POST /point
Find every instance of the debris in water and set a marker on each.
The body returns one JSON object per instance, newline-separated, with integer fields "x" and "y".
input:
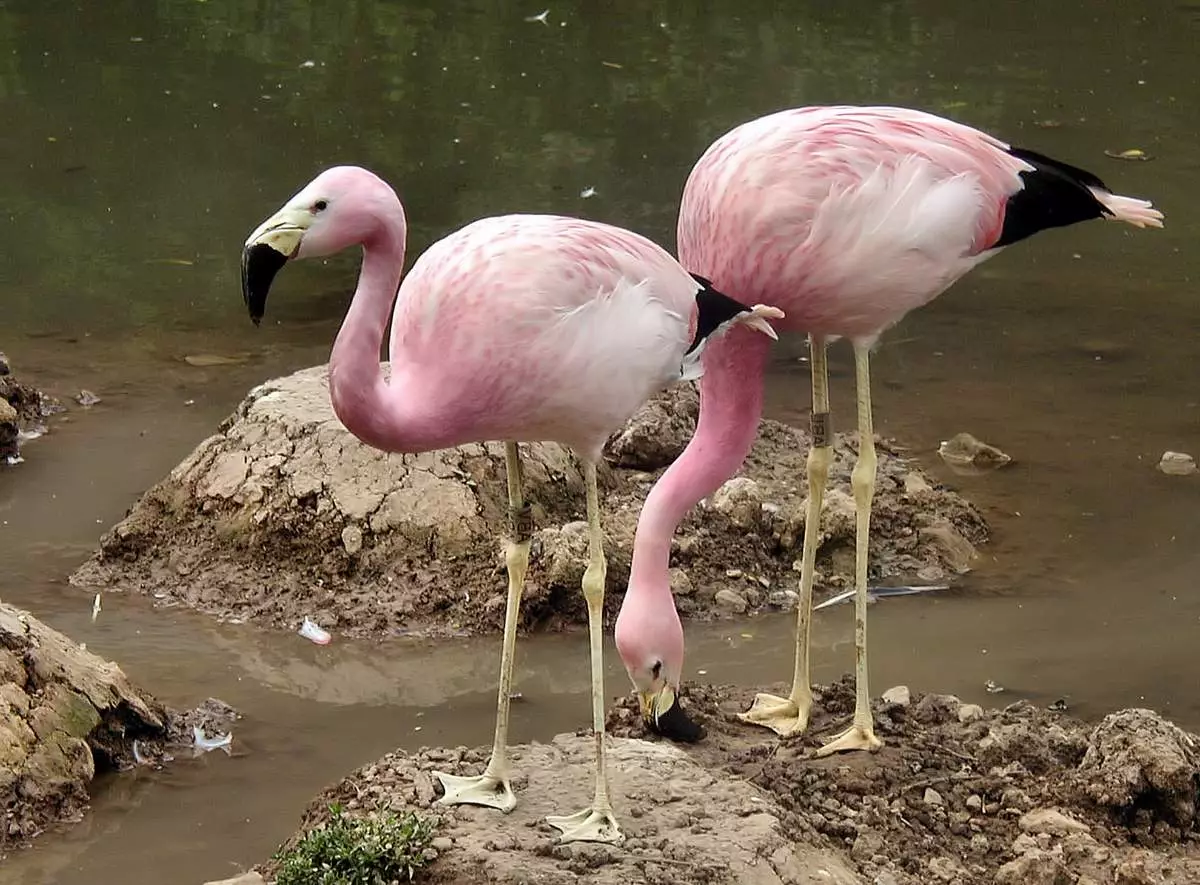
{"x": 179, "y": 262}
{"x": 966, "y": 454}
{"x": 32, "y": 432}
{"x": 587, "y": 192}
{"x": 308, "y": 64}
{"x": 137, "y": 756}
{"x": 874, "y": 594}
{"x": 1059, "y": 706}
{"x": 516, "y": 696}
{"x": 1177, "y": 464}
{"x": 993, "y": 687}
{"x": 86, "y": 398}
{"x": 309, "y": 630}
{"x": 612, "y": 64}
{"x": 540, "y": 17}
{"x": 1130, "y": 154}
{"x": 95, "y": 608}
{"x": 208, "y": 360}
{"x": 203, "y": 743}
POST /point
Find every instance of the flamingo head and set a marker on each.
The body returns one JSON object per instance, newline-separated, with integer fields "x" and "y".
{"x": 343, "y": 206}
{"x": 652, "y": 650}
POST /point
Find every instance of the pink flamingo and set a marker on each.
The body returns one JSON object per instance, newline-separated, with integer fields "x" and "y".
{"x": 516, "y": 328}
{"x": 846, "y": 218}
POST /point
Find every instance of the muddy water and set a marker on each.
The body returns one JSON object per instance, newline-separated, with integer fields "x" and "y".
{"x": 145, "y": 138}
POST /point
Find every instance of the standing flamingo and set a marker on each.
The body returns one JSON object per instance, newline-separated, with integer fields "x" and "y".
{"x": 516, "y": 328}
{"x": 846, "y": 218}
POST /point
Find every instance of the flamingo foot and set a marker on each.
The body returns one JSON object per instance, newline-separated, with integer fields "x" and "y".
{"x": 783, "y": 716}
{"x": 856, "y": 737}
{"x": 484, "y": 789}
{"x": 589, "y": 825}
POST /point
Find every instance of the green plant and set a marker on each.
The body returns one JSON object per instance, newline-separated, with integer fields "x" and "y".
{"x": 379, "y": 849}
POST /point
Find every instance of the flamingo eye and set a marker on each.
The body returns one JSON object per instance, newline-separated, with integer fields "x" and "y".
{"x": 320, "y": 206}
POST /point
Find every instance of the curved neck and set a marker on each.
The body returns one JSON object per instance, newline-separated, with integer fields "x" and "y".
{"x": 731, "y": 395}
{"x": 356, "y": 383}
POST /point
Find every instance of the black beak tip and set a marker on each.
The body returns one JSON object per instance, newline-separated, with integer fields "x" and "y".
{"x": 260, "y": 263}
{"x": 677, "y": 726}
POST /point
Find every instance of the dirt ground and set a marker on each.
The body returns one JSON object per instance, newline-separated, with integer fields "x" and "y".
{"x": 1017, "y": 796}
{"x": 282, "y": 515}
{"x": 67, "y": 715}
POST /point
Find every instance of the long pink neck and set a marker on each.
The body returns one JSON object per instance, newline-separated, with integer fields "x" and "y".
{"x": 731, "y": 395}
{"x": 359, "y": 392}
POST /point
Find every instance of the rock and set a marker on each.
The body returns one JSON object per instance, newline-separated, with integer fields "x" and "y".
{"x": 681, "y": 584}
{"x": 970, "y": 713}
{"x": 8, "y": 415}
{"x": 352, "y": 539}
{"x": 658, "y": 432}
{"x": 898, "y": 695}
{"x": 253, "y": 525}
{"x": 957, "y": 552}
{"x": 937, "y": 708}
{"x": 1036, "y": 867}
{"x": 696, "y": 824}
{"x": 1177, "y": 464}
{"x": 933, "y": 798}
{"x": 86, "y": 398}
{"x": 866, "y": 845}
{"x": 965, "y": 451}
{"x": 250, "y": 878}
{"x": 740, "y": 500}
{"x": 5, "y": 366}
{"x": 64, "y": 714}
{"x": 974, "y": 802}
{"x": 731, "y": 600}
{"x": 786, "y": 600}
{"x": 1052, "y": 821}
{"x": 1137, "y": 759}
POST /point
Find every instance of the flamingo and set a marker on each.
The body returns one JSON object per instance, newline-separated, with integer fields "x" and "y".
{"x": 516, "y": 328}
{"x": 846, "y": 218}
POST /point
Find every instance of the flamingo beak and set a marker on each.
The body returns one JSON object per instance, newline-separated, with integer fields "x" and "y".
{"x": 665, "y": 717}
{"x": 267, "y": 250}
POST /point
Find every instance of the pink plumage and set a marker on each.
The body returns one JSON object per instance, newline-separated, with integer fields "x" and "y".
{"x": 846, "y": 218}
{"x": 515, "y": 328}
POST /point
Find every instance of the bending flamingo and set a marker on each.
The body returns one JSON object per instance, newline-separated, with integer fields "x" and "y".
{"x": 516, "y": 328}
{"x": 846, "y": 218}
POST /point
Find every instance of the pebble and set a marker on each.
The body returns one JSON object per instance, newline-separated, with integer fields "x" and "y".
{"x": 974, "y": 802}
{"x": 933, "y": 797}
{"x": 1177, "y": 464}
{"x": 732, "y": 600}
{"x": 86, "y": 398}
{"x": 899, "y": 695}
{"x": 784, "y": 599}
{"x": 352, "y": 539}
{"x": 681, "y": 584}
{"x": 442, "y": 843}
{"x": 970, "y": 713}
{"x": 1052, "y": 821}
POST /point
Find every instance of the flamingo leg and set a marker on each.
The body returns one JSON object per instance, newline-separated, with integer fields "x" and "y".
{"x": 787, "y": 716}
{"x": 492, "y": 788}
{"x": 861, "y": 733}
{"x": 597, "y": 823}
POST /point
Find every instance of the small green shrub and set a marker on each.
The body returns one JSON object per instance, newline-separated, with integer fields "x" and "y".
{"x": 379, "y": 849}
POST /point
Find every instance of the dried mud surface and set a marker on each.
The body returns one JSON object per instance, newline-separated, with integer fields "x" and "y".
{"x": 958, "y": 795}
{"x": 67, "y": 715}
{"x": 283, "y": 514}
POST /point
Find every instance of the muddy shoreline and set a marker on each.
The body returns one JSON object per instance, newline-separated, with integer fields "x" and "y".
{"x": 282, "y": 515}
{"x": 1015, "y": 796}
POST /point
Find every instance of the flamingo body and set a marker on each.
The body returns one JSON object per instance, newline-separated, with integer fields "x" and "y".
{"x": 514, "y": 328}
{"x": 846, "y": 218}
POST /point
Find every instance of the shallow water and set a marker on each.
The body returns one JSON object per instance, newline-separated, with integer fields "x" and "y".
{"x": 144, "y": 140}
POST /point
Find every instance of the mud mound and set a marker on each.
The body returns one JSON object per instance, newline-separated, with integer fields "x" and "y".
{"x": 683, "y": 824}
{"x": 957, "y": 794}
{"x": 283, "y": 514}
{"x": 66, "y": 715}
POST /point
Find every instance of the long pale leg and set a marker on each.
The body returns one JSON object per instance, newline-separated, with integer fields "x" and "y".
{"x": 861, "y": 734}
{"x": 789, "y": 715}
{"x": 492, "y": 787}
{"x": 594, "y": 824}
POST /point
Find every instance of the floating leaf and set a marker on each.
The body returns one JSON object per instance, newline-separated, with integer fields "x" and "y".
{"x": 1129, "y": 154}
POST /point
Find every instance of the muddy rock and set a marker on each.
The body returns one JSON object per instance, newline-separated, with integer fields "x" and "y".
{"x": 658, "y": 433}
{"x": 283, "y": 514}
{"x": 1140, "y": 765}
{"x": 22, "y": 409}
{"x": 930, "y": 806}
{"x": 683, "y": 824}
{"x": 66, "y": 715}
